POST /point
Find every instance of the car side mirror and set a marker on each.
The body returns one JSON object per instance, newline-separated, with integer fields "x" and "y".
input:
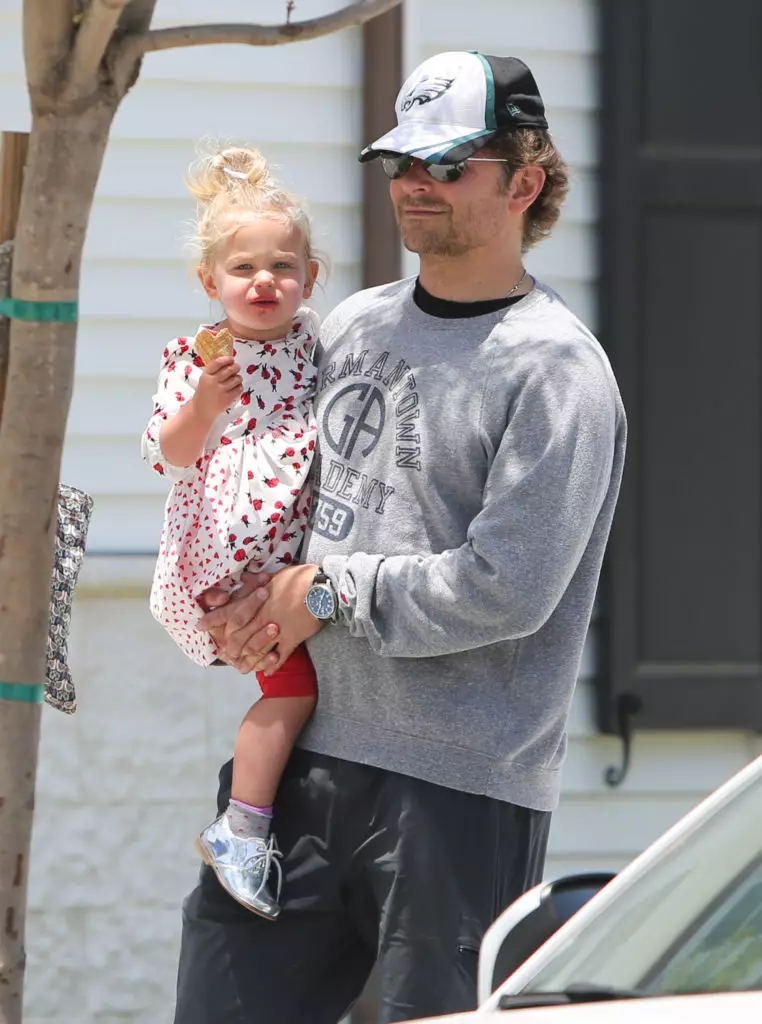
{"x": 528, "y": 922}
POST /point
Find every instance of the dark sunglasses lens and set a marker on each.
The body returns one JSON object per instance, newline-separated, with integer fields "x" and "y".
{"x": 396, "y": 166}
{"x": 446, "y": 172}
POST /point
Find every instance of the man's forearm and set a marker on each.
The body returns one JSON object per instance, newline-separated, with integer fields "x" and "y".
{"x": 421, "y": 607}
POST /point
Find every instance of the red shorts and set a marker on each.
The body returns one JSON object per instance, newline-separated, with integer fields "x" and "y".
{"x": 295, "y": 678}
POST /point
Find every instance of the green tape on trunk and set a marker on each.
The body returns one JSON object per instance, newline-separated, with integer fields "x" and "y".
{"x": 41, "y": 312}
{"x": 26, "y": 693}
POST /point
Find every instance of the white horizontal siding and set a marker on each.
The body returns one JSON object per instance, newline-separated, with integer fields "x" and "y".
{"x": 510, "y": 27}
{"x": 184, "y": 110}
{"x": 325, "y": 173}
{"x": 301, "y": 104}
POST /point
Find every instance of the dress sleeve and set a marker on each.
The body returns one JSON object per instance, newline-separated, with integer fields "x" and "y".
{"x": 178, "y": 378}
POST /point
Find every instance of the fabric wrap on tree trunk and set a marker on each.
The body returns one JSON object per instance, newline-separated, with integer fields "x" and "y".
{"x": 74, "y": 511}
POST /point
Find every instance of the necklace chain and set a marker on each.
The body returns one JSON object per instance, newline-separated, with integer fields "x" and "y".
{"x": 517, "y": 285}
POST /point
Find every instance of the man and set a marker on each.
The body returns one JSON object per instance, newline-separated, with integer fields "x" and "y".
{"x": 471, "y": 447}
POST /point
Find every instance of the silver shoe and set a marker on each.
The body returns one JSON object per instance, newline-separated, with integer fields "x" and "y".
{"x": 242, "y": 866}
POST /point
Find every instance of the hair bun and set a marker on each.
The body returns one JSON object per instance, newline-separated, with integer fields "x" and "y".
{"x": 226, "y": 172}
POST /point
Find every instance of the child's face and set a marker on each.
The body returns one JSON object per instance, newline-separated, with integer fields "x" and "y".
{"x": 260, "y": 275}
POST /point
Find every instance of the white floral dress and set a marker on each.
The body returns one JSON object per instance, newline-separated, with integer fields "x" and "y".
{"x": 244, "y": 503}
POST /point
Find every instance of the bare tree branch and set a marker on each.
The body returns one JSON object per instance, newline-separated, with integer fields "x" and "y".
{"x": 91, "y": 43}
{"x": 267, "y": 35}
{"x": 126, "y": 55}
{"x": 47, "y": 29}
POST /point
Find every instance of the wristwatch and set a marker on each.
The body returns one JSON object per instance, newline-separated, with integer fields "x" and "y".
{"x": 322, "y": 600}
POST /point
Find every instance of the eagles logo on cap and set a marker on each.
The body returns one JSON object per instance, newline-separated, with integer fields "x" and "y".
{"x": 425, "y": 90}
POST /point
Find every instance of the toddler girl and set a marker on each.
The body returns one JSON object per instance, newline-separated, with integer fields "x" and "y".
{"x": 236, "y": 436}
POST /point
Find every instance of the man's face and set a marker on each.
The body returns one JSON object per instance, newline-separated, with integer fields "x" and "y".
{"x": 453, "y": 218}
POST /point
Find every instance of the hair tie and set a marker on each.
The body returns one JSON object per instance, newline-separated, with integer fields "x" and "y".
{"x": 235, "y": 174}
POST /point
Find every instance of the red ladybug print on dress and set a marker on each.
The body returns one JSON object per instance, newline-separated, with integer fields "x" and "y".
{"x": 241, "y": 504}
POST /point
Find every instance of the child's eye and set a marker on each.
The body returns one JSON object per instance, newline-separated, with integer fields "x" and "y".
{"x": 283, "y": 265}
{"x": 244, "y": 266}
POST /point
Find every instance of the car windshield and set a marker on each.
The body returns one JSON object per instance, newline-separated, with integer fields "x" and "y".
{"x": 691, "y": 922}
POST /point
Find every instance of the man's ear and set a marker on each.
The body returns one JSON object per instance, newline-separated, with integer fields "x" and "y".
{"x": 312, "y": 272}
{"x": 525, "y": 187}
{"x": 207, "y": 281}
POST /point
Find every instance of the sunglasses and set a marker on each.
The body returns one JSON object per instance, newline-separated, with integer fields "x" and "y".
{"x": 397, "y": 165}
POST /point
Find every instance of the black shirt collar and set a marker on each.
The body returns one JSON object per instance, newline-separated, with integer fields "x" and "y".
{"x": 446, "y": 309}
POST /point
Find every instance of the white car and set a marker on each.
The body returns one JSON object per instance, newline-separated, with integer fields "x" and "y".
{"x": 729, "y": 1008}
{"x": 676, "y": 936}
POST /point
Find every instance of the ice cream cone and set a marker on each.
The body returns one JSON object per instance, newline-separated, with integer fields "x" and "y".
{"x": 211, "y": 346}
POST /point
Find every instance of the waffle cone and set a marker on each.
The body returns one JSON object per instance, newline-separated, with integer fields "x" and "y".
{"x": 211, "y": 346}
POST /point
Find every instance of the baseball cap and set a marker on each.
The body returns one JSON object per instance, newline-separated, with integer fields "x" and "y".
{"x": 455, "y": 102}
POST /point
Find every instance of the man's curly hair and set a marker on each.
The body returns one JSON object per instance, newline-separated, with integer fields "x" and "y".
{"x": 526, "y": 147}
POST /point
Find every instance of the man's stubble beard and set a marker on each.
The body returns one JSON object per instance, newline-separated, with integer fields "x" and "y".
{"x": 432, "y": 240}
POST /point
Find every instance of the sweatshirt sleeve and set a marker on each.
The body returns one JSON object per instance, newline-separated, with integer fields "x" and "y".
{"x": 548, "y": 478}
{"x": 178, "y": 380}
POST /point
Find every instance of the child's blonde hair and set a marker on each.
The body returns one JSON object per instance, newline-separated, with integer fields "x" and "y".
{"x": 233, "y": 185}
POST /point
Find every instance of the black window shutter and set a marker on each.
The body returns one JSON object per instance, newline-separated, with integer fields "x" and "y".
{"x": 681, "y": 317}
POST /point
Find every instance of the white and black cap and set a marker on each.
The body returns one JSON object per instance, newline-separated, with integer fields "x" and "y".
{"x": 454, "y": 103}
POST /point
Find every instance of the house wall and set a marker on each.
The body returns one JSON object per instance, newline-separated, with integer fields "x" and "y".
{"x": 124, "y": 784}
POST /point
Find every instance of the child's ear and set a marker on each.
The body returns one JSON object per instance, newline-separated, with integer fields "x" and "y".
{"x": 207, "y": 282}
{"x": 312, "y": 272}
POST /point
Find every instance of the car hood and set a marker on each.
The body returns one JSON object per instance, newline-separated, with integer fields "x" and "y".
{"x": 738, "y": 1007}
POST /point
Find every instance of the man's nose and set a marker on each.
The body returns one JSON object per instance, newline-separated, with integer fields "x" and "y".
{"x": 417, "y": 179}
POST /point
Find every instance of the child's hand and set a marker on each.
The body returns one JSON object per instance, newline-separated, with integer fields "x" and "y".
{"x": 218, "y": 387}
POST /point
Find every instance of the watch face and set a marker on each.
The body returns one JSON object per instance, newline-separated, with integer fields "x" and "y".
{"x": 320, "y": 602}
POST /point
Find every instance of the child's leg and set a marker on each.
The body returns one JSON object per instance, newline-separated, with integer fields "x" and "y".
{"x": 235, "y": 844}
{"x": 265, "y": 740}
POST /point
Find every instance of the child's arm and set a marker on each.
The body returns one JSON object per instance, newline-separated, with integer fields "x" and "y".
{"x": 182, "y": 436}
{"x": 181, "y": 377}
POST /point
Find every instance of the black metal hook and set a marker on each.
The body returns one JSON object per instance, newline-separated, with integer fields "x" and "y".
{"x": 627, "y": 706}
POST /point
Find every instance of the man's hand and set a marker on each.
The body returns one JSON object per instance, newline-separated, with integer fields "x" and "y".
{"x": 218, "y": 597}
{"x": 248, "y": 628}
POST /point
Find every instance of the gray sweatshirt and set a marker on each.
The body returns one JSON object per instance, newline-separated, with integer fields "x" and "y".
{"x": 467, "y": 475}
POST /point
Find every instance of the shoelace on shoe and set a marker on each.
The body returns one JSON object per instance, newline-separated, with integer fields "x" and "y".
{"x": 269, "y": 855}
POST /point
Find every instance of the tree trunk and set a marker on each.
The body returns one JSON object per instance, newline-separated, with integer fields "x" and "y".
{"x": 65, "y": 156}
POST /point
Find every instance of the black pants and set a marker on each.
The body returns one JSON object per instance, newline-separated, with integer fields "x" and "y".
{"x": 377, "y": 867}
